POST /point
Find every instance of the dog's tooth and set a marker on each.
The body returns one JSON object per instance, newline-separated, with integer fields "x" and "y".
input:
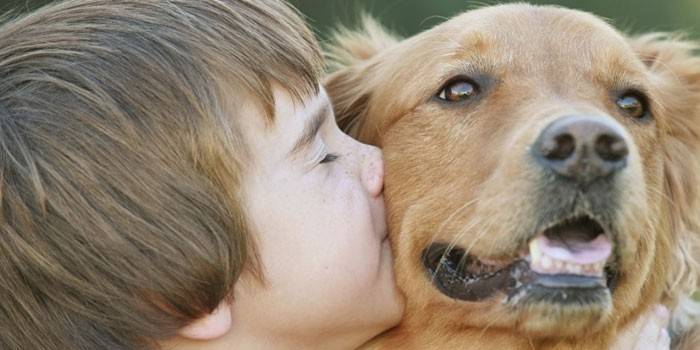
{"x": 575, "y": 269}
{"x": 595, "y": 269}
{"x": 558, "y": 264}
{"x": 535, "y": 252}
{"x": 546, "y": 262}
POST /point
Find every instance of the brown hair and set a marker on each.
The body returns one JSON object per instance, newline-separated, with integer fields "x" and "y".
{"x": 119, "y": 164}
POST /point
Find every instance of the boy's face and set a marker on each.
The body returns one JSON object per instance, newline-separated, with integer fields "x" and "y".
{"x": 314, "y": 199}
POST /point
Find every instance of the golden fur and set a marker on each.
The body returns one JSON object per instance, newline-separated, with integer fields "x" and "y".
{"x": 458, "y": 173}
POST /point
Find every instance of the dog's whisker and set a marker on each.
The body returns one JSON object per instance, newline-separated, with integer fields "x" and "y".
{"x": 441, "y": 227}
{"x": 476, "y": 239}
{"x": 474, "y": 5}
{"x": 453, "y": 242}
{"x": 473, "y": 242}
{"x": 436, "y": 17}
{"x": 493, "y": 321}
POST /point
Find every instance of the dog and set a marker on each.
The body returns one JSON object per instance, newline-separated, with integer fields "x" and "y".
{"x": 542, "y": 174}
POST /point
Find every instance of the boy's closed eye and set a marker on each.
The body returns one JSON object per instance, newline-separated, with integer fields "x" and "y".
{"x": 329, "y": 158}
{"x": 311, "y": 129}
{"x": 310, "y": 133}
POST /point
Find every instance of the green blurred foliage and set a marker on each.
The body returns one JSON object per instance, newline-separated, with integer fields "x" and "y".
{"x": 21, "y": 6}
{"x": 410, "y": 16}
{"x": 407, "y": 17}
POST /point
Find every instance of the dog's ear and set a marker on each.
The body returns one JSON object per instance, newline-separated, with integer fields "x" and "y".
{"x": 675, "y": 68}
{"x": 351, "y": 60}
{"x": 675, "y": 65}
{"x": 350, "y": 47}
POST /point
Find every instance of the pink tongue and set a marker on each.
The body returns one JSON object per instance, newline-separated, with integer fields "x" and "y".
{"x": 594, "y": 251}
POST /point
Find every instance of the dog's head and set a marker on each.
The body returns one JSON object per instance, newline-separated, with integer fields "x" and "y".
{"x": 540, "y": 166}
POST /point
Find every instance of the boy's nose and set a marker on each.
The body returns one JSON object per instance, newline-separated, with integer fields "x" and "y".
{"x": 373, "y": 171}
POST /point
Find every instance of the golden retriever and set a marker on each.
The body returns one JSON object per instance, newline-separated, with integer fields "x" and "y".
{"x": 542, "y": 173}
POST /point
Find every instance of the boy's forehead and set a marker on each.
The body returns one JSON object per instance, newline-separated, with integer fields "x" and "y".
{"x": 293, "y": 120}
{"x": 284, "y": 97}
{"x": 293, "y": 112}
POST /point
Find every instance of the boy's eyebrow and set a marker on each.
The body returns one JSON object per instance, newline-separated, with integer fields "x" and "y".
{"x": 311, "y": 128}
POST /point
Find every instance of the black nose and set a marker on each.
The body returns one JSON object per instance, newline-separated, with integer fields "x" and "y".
{"x": 582, "y": 148}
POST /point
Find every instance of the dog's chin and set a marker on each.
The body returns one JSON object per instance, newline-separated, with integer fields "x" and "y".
{"x": 560, "y": 284}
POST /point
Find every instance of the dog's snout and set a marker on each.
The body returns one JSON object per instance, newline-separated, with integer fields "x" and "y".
{"x": 582, "y": 148}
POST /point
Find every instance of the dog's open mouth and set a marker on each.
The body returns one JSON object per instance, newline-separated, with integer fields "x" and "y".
{"x": 566, "y": 262}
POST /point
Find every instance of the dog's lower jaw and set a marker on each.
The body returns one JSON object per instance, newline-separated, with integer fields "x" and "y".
{"x": 406, "y": 337}
{"x": 570, "y": 321}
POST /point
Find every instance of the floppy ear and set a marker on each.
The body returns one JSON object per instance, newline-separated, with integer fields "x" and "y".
{"x": 350, "y": 81}
{"x": 675, "y": 65}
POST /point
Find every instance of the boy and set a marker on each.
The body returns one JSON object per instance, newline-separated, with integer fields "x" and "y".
{"x": 137, "y": 139}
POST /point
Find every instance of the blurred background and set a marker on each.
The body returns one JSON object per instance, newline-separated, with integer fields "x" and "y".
{"x": 407, "y": 17}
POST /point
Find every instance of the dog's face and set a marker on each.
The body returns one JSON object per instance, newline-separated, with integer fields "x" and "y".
{"x": 529, "y": 178}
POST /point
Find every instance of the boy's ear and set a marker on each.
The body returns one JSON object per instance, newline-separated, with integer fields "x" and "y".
{"x": 211, "y": 326}
{"x": 352, "y": 71}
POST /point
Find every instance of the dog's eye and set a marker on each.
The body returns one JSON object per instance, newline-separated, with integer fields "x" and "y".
{"x": 458, "y": 90}
{"x": 633, "y": 104}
